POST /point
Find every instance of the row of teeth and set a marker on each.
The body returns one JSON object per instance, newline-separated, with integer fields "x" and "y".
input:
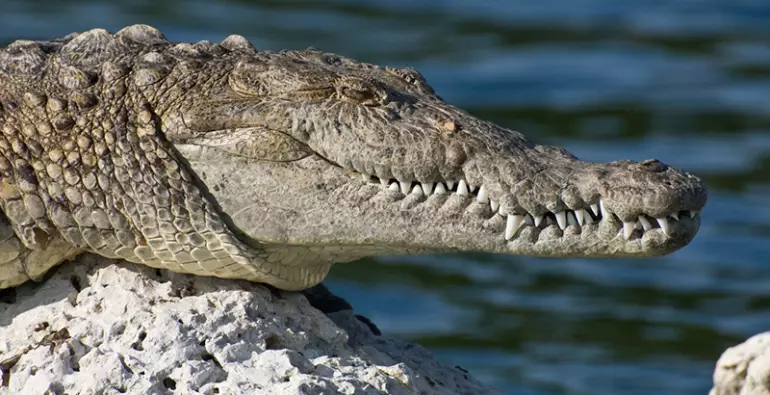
{"x": 515, "y": 222}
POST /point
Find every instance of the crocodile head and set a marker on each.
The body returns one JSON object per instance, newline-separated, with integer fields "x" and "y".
{"x": 311, "y": 149}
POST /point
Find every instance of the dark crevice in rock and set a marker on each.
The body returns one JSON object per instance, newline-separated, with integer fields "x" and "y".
{"x": 169, "y": 383}
{"x": 322, "y": 299}
{"x": 8, "y": 295}
{"x": 76, "y": 283}
{"x": 54, "y": 339}
{"x": 137, "y": 345}
{"x": 6, "y": 366}
{"x": 209, "y": 357}
{"x": 273, "y": 342}
{"x": 124, "y": 365}
{"x": 185, "y": 291}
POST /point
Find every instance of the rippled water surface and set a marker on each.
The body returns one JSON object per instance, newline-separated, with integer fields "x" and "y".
{"x": 687, "y": 82}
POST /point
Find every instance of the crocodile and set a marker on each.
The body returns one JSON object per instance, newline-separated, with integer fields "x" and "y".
{"x": 219, "y": 159}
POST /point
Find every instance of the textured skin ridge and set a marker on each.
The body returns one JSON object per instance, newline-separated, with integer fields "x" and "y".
{"x": 83, "y": 167}
{"x": 160, "y": 153}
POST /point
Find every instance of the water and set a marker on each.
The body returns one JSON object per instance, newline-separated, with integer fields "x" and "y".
{"x": 687, "y": 82}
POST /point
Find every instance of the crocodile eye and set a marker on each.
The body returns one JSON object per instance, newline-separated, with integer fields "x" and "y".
{"x": 363, "y": 96}
{"x": 360, "y": 91}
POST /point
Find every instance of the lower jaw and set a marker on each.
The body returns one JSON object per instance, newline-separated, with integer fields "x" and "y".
{"x": 604, "y": 239}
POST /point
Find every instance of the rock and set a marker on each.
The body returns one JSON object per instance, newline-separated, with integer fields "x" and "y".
{"x": 97, "y": 326}
{"x": 744, "y": 369}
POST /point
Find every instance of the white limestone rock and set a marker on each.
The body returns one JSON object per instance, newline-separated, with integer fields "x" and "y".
{"x": 100, "y": 327}
{"x": 744, "y": 369}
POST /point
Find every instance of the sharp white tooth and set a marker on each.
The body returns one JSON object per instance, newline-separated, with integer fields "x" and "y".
{"x": 365, "y": 177}
{"x": 462, "y": 188}
{"x": 427, "y": 188}
{"x": 404, "y": 186}
{"x": 440, "y": 189}
{"x": 693, "y": 213}
{"x": 483, "y": 197}
{"x": 394, "y": 187}
{"x": 664, "y": 224}
{"x": 628, "y": 229}
{"x": 645, "y": 223}
{"x": 384, "y": 182}
{"x": 595, "y": 209}
{"x": 561, "y": 219}
{"x": 471, "y": 188}
{"x": 417, "y": 190}
{"x": 571, "y": 220}
{"x": 580, "y": 215}
{"x": 450, "y": 185}
{"x": 602, "y": 208}
{"x": 675, "y": 216}
{"x": 637, "y": 225}
{"x": 538, "y": 219}
{"x": 494, "y": 205}
{"x": 589, "y": 219}
{"x": 513, "y": 224}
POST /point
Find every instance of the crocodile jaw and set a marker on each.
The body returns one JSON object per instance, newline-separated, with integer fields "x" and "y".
{"x": 340, "y": 215}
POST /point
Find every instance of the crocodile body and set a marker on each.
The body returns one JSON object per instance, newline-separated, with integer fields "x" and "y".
{"x": 221, "y": 160}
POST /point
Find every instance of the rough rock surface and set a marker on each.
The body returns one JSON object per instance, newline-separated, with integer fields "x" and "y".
{"x": 100, "y": 327}
{"x": 744, "y": 369}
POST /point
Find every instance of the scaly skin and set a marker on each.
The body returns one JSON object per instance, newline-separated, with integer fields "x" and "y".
{"x": 217, "y": 159}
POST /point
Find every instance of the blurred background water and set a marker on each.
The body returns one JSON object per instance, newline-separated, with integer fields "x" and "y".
{"x": 684, "y": 81}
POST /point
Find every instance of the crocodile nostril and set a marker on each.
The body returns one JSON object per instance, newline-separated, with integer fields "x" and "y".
{"x": 653, "y": 165}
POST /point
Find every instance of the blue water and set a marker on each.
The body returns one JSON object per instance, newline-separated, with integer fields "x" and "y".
{"x": 687, "y": 82}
